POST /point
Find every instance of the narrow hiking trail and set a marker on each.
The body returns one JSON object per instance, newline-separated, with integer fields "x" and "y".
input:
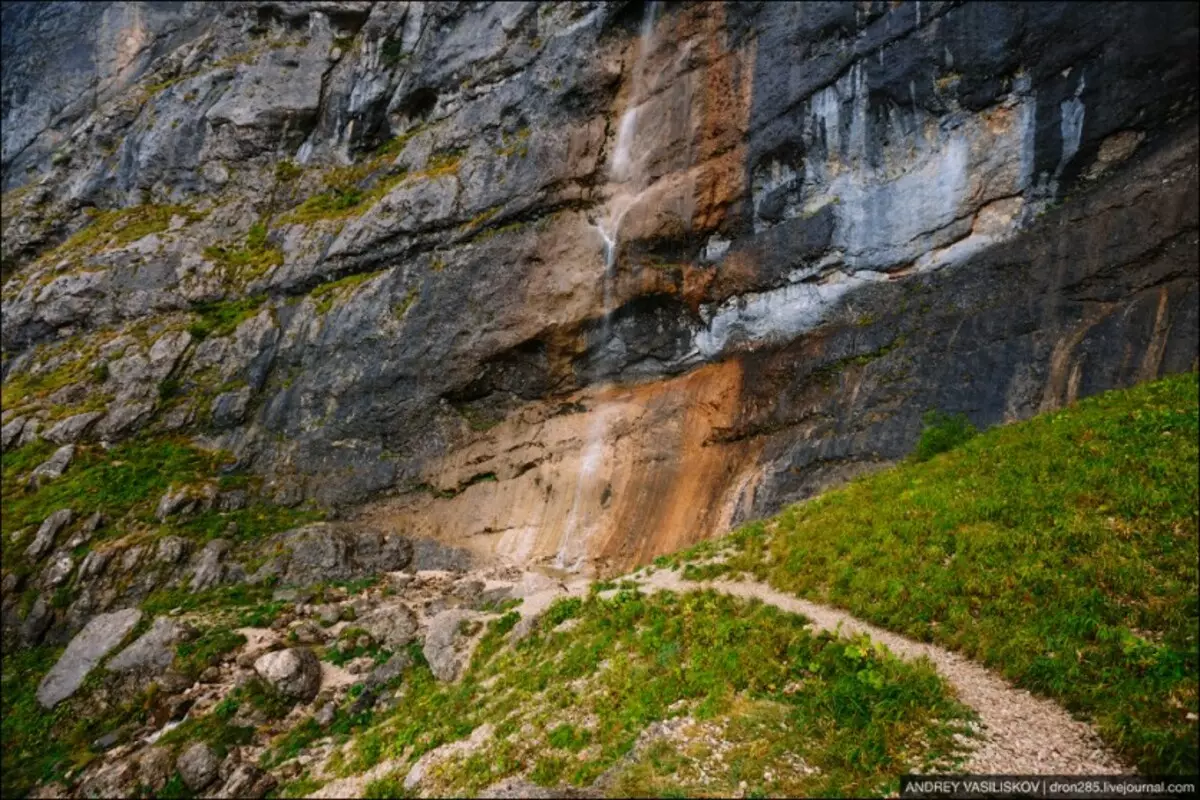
{"x": 1020, "y": 733}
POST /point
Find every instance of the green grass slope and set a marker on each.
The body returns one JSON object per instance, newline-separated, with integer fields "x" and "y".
{"x": 1061, "y": 551}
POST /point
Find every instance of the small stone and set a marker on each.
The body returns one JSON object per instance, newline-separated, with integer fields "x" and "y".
{"x": 58, "y": 570}
{"x": 107, "y": 740}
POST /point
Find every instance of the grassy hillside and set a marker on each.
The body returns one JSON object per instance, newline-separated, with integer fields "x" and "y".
{"x": 1061, "y": 551}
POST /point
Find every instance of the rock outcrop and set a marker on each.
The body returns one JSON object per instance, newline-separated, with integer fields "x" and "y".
{"x": 511, "y": 270}
{"x": 85, "y": 651}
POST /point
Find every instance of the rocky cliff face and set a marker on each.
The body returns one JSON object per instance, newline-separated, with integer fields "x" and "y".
{"x": 583, "y": 283}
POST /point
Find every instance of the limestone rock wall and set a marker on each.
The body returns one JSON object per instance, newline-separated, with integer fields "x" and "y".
{"x": 587, "y": 282}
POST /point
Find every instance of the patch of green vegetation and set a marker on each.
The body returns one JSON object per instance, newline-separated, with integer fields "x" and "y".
{"x": 292, "y": 743}
{"x": 345, "y": 649}
{"x": 25, "y": 389}
{"x": 942, "y": 432}
{"x": 41, "y": 745}
{"x": 128, "y": 479}
{"x": 404, "y": 305}
{"x": 303, "y": 786}
{"x": 118, "y": 227}
{"x": 391, "y": 53}
{"x": 1061, "y": 551}
{"x": 175, "y": 789}
{"x": 237, "y": 596}
{"x": 264, "y": 697}
{"x": 390, "y": 785}
{"x": 214, "y": 729}
{"x": 254, "y": 523}
{"x": 327, "y": 293}
{"x": 192, "y": 658}
{"x": 478, "y": 419}
{"x": 251, "y": 260}
{"x": 859, "y": 715}
{"x": 222, "y": 318}
{"x": 287, "y": 171}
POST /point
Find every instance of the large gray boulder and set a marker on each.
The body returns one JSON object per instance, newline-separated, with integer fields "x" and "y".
{"x": 49, "y": 529}
{"x": 295, "y": 673}
{"x": 85, "y": 651}
{"x": 152, "y": 652}
{"x": 198, "y": 766}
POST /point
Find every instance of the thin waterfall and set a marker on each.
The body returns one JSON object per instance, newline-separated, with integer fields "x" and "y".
{"x": 626, "y": 177}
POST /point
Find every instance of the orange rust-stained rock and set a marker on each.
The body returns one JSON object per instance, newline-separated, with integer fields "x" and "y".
{"x": 634, "y": 476}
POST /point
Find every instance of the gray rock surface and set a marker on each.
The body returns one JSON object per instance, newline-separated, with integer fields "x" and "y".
{"x": 198, "y": 766}
{"x": 393, "y": 625}
{"x": 54, "y": 466}
{"x": 152, "y": 652}
{"x": 448, "y": 642}
{"x": 71, "y": 429}
{"x": 295, "y": 672}
{"x": 46, "y": 533}
{"x": 90, "y": 645}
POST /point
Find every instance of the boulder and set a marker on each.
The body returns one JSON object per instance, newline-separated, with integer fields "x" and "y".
{"x": 154, "y": 767}
{"x": 90, "y": 645}
{"x": 11, "y": 432}
{"x": 295, "y": 672}
{"x": 394, "y": 626}
{"x": 52, "y": 467}
{"x": 152, "y": 652}
{"x": 324, "y": 552}
{"x": 449, "y": 642}
{"x": 198, "y": 766}
{"x": 49, "y": 529}
{"x": 388, "y": 671}
{"x": 37, "y": 621}
{"x": 71, "y": 429}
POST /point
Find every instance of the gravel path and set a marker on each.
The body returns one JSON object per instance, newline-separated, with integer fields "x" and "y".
{"x": 1022, "y": 734}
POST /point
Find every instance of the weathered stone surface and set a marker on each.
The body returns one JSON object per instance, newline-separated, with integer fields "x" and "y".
{"x": 246, "y": 781}
{"x": 448, "y": 642}
{"x": 198, "y": 766}
{"x": 324, "y": 552}
{"x": 54, "y": 466}
{"x": 295, "y": 672}
{"x": 37, "y": 621}
{"x": 58, "y": 570}
{"x": 152, "y": 652}
{"x": 71, "y": 429}
{"x": 49, "y": 529}
{"x": 98, "y": 637}
{"x": 394, "y": 625}
{"x": 207, "y": 569}
{"x": 11, "y": 432}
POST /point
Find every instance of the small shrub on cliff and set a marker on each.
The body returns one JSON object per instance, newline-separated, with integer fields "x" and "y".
{"x": 942, "y": 432}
